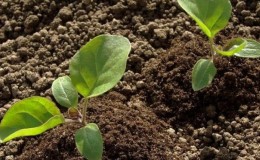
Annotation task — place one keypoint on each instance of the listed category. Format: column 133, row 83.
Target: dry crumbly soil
column 152, row 113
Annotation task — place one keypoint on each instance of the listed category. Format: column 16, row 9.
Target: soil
column 152, row 113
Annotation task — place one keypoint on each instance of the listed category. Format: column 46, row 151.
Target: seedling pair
column 95, row 69
column 212, row 16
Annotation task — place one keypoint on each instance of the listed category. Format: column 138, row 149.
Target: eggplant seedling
column 212, row 16
column 96, row 68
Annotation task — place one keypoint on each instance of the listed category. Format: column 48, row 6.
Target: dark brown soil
column 152, row 113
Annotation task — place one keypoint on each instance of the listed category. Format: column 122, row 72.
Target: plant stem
column 213, row 52
column 84, row 111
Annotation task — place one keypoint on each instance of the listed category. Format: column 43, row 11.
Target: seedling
column 95, row 69
column 212, row 16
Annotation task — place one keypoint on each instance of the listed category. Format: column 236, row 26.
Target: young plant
column 95, row 69
column 212, row 16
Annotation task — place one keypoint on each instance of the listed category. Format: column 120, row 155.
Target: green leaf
column 202, row 74
column 29, row 117
column 211, row 15
column 89, row 142
column 232, row 47
column 251, row 50
column 99, row 65
column 64, row 92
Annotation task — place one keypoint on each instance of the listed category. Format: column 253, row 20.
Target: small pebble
column 65, row 14
column 2, row 110
column 182, row 140
column 243, row 109
column 241, row 5
column 221, row 118
column 257, row 119
column 140, row 84
column 244, row 121
column 10, row 157
column 7, row 106
column 36, row 36
column 217, row 137
column 171, row 131
column 31, row 21
column 243, row 153
column 61, row 29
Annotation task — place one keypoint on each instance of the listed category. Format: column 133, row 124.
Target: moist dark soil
column 152, row 113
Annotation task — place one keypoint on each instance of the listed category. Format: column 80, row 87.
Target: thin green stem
column 84, row 111
column 213, row 52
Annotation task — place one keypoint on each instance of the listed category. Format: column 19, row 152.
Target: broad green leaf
column 29, row 117
column 89, row 142
column 232, row 47
column 202, row 74
column 99, row 65
column 64, row 92
column 251, row 50
column 211, row 15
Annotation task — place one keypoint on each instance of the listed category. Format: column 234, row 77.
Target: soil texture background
column 152, row 113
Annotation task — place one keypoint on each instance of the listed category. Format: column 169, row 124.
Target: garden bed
column 152, row 113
